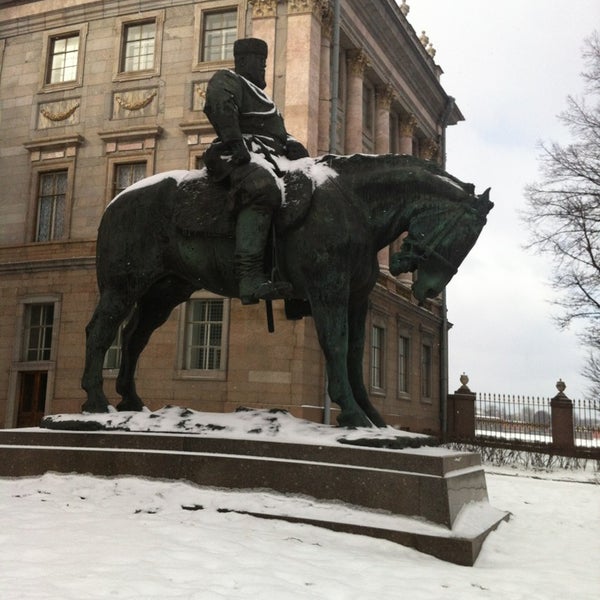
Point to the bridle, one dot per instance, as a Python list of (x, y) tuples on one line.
[(427, 246)]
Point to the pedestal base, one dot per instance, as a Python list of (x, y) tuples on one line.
[(430, 499)]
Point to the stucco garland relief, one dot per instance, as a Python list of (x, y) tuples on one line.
[(133, 105), (199, 95), (263, 8), (57, 112)]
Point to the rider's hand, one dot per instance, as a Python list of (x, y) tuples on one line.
[(294, 150), (239, 153)]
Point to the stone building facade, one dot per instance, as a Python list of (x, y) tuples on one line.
[(95, 94)]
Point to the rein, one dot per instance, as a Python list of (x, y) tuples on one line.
[(427, 246)]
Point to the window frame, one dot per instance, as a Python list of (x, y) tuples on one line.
[(404, 361), (52, 237), (122, 24), (203, 35), (219, 374), (19, 349), (113, 162), (33, 218), (426, 368), (200, 11), (377, 386), (43, 348), (117, 164), (81, 31)]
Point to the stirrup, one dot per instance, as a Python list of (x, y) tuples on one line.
[(268, 290)]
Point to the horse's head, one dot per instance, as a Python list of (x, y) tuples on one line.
[(443, 229)]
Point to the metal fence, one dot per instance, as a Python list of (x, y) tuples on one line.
[(529, 419)]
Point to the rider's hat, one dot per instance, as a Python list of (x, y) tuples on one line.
[(250, 46)]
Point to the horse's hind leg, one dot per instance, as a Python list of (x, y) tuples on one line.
[(100, 332), (356, 345), (152, 310)]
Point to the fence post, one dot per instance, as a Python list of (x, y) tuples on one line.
[(562, 419), (461, 412)]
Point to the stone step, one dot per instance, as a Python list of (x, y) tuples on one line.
[(430, 484)]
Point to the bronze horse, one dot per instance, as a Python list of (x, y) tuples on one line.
[(147, 263)]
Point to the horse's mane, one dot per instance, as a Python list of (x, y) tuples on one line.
[(354, 163), (398, 173)]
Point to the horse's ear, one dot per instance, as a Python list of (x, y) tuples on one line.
[(484, 205)]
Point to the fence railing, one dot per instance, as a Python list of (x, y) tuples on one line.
[(558, 424)]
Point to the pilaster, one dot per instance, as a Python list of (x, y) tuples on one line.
[(325, 80), (303, 57), (264, 14)]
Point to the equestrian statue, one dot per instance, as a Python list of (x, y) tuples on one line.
[(173, 233)]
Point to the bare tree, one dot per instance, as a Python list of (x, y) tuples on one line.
[(563, 212)]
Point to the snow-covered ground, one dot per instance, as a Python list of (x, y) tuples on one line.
[(66, 537)]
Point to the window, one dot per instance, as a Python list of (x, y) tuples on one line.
[(139, 41), (377, 356), (112, 358), (37, 334), (426, 370), (204, 335), (219, 31), (63, 58), (127, 174), (403, 364), (51, 201)]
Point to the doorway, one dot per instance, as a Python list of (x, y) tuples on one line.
[(32, 398)]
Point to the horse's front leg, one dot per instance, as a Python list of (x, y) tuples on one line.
[(357, 315), (331, 320)]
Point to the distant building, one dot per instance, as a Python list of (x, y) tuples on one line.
[(96, 94)]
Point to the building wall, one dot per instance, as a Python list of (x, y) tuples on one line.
[(390, 101)]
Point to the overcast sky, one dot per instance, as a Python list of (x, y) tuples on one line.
[(510, 66)]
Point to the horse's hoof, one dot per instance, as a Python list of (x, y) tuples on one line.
[(353, 419), (130, 405), (90, 406)]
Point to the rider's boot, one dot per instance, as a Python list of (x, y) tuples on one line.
[(251, 233)]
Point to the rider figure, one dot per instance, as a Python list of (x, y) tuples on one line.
[(245, 120)]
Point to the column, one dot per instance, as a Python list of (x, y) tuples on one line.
[(357, 62), (406, 131), (383, 100), (264, 13), (325, 81), (302, 81), (406, 125)]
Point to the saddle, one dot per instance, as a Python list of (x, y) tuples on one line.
[(204, 206)]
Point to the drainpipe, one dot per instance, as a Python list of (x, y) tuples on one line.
[(450, 103), (335, 77)]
